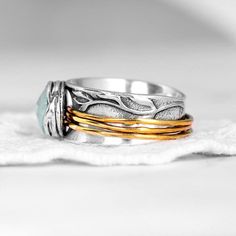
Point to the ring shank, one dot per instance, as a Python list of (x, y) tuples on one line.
[(120, 85)]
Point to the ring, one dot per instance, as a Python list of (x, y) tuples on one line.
[(112, 111)]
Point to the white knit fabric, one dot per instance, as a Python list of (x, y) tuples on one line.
[(21, 142)]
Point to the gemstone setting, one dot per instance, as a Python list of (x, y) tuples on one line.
[(42, 106), (50, 109)]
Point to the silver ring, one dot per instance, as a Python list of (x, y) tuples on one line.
[(109, 97)]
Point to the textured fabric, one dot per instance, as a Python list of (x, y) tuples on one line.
[(21, 142)]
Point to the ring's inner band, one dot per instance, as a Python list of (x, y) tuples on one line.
[(125, 86)]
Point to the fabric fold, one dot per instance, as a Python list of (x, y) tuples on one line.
[(21, 142)]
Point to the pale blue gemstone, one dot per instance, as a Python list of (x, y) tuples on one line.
[(42, 105)]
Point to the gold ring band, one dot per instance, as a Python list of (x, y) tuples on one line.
[(187, 120), (129, 129), (143, 130), (129, 135)]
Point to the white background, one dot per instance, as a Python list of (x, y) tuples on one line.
[(188, 46)]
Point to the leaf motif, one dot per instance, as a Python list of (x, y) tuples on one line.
[(172, 113), (160, 102), (79, 93), (128, 102), (82, 97), (79, 99), (110, 111), (87, 95)]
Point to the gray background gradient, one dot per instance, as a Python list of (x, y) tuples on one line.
[(152, 40), (188, 44)]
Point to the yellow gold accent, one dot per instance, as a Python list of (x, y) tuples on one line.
[(129, 128), (187, 120), (129, 135), (142, 130)]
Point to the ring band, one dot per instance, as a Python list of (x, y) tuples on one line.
[(98, 125), (95, 109)]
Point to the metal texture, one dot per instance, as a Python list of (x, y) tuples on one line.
[(132, 129), (185, 121), (53, 120), (94, 131), (122, 98), (109, 97)]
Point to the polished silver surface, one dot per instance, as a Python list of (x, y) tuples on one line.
[(123, 98), (110, 97)]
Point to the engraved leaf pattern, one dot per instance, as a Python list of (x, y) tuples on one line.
[(168, 108), (128, 102), (93, 101), (81, 99), (172, 113)]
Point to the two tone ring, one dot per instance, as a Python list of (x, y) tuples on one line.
[(112, 111)]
